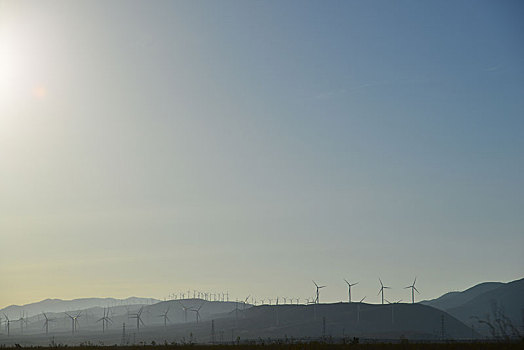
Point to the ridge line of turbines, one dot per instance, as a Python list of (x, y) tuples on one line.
[(106, 320), (381, 291), (207, 296)]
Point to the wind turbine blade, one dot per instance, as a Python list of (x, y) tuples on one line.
[(380, 281), (142, 322), (415, 288), (380, 290), (345, 280), (315, 283), (415, 281)]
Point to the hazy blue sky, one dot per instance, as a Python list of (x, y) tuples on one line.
[(251, 146)]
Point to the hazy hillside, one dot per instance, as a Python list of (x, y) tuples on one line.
[(454, 299), (413, 321), (482, 300), (59, 305), (151, 316), (509, 298)]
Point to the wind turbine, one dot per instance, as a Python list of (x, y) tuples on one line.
[(349, 288), (197, 311), (74, 321), (138, 319), (245, 301), (382, 287), (166, 318), (22, 320), (413, 289), (358, 308), (46, 322), (105, 320), (392, 314), (7, 323), (185, 310), (318, 294)]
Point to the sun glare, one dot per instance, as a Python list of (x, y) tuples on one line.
[(16, 80), (40, 92)]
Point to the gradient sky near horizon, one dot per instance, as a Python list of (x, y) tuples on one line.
[(148, 147)]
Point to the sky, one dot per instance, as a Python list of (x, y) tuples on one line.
[(147, 148)]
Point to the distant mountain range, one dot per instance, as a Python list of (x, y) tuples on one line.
[(483, 301), (59, 305), (451, 316)]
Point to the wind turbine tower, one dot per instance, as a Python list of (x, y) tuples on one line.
[(105, 320), (382, 287), (349, 289), (138, 319), (166, 318), (7, 323), (22, 320), (46, 322), (245, 302), (74, 321), (185, 310), (358, 308), (413, 289), (392, 310), (317, 300), (197, 311)]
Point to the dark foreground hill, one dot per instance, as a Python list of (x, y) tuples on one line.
[(306, 322), (342, 319)]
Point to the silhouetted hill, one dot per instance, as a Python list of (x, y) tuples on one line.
[(454, 299), (482, 301), (343, 319), (306, 322), (508, 298)]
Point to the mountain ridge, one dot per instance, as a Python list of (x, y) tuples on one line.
[(61, 305)]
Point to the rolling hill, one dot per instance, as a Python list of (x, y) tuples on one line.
[(483, 301)]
